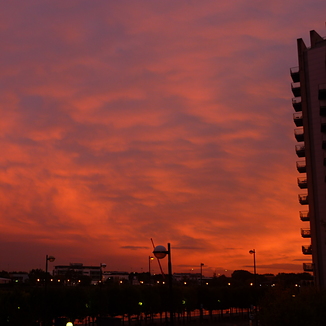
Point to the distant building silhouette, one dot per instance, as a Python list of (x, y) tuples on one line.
[(78, 269), (96, 274), (20, 277), (309, 103), (115, 276)]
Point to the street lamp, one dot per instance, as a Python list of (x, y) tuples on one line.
[(201, 273), (102, 265), (253, 252), (201, 283), (150, 258), (160, 252), (50, 259)]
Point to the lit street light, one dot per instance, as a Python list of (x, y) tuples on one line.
[(50, 259), (150, 258), (201, 284), (201, 273), (102, 265), (253, 252)]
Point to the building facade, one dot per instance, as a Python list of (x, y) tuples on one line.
[(309, 103), (79, 269), (76, 271)]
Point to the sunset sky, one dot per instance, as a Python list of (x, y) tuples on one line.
[(123, 121)]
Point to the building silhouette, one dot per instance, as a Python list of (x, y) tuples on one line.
[(309, 103), (77, 270)]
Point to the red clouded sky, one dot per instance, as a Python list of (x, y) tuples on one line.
[(123, 121)]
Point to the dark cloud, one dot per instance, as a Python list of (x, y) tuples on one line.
[(135, 247)]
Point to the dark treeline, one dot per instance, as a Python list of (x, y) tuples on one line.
[(285, 307), (281, 299), (238, 278), (26, 305)]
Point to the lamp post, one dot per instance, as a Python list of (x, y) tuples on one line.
[(102, 265), (50, 259), (201, 273), (160, 252), (253, 252), (201, 296), (150, 258)]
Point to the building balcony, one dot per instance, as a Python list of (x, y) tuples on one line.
[(299, 134), (323, 127), (303, 199), (300, 150), (322, 110), (295, 74), (307, 250), (297, 118), (296, 103), (295, 87), (301, 166), (304, 216), (322, 92), (305, 233), (302, 183), (308, 267)]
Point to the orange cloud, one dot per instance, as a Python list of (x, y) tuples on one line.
[(123, 122)]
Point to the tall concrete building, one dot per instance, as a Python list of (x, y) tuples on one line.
[(309, 103)]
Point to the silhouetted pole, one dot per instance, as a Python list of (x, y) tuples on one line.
[(102, 265), (169, 264), (160, 252), (200, 293), (149, 267), (253, 252), (47, 260)]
